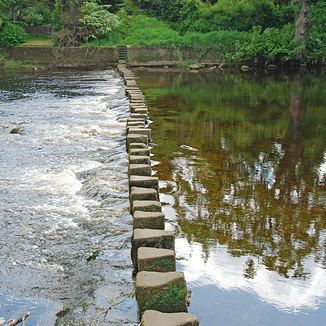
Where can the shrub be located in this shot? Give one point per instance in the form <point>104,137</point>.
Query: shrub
<point>272,45</point>
<point>98,20</point>
<point>315,46</point>
<point>33,19</point>
<point>57,16</point>
<point>131,8</point>
<point>39,15</point>
<point>114,4</point>
<point>318,16</point>
<point>12,35</point>
<point>169,10</point>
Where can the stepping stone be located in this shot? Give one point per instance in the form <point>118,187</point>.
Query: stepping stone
<point>150,238</point>
<point>156,260</point>
<point>143,182</point>
<point>140,169</point>
<point>138,193</point>
<point>138,145</point>
<point>164,292</point>
<point>148,220</point>
<point>136,138</point>
<point>136,150</point>
<point>141,111</point>
<point>156,318</point>
<point>146,206</point>
<point>140,131</point>
<point>139,116</point>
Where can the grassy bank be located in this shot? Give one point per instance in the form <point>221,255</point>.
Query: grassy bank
<point>256,46</point>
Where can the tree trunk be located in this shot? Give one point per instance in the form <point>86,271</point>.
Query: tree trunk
<point>302,23</point>
<point>14,14</point>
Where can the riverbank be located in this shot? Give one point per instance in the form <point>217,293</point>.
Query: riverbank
<point>56,57</point>
<point>34,57</point>
<point>102,57</point>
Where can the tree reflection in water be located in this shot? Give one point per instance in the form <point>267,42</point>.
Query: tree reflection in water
<point>245,154</point>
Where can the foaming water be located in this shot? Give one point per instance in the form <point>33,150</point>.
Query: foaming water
<point>64,221</point>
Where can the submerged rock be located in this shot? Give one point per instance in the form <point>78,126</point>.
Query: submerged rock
<point>245,68</point>
<point>196,66</point>
<point>16,131</point>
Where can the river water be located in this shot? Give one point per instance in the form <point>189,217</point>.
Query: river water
<point>241,159</point>
<point>64,222</point>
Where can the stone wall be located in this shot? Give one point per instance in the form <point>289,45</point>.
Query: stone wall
<point>74,57</point>
<point>55,57</point>
<point>154,56</point>
<point>38,30</point>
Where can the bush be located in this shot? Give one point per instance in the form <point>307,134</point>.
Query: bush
<point>97,20</point>
<point>12,35</point>
<point>318,16</point>
<point>169,10</point>
<point>272,45</point>
<point>57,16</point>
<point>33,19</point>
<point>114,4</point>
<point>39,15</point>
<point>131,8</point>
<point>204,17</point>
<point>315,46</point>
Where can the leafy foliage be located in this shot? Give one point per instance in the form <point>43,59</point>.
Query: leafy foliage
<point>114,5</point>
<point>12,35</point>
<point>38,15</point>
<point>97,20</point>
<point>273,44</point>
<point>57,16</point>
<point>9,8</point>
<point>167,9</point>
<point>233,29</point>
<point>195,15</point>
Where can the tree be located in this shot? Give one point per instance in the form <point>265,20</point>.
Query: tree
<point>302,23</point>
<point>97,20</point>
<point>57,16</point>
<point>11,7</point>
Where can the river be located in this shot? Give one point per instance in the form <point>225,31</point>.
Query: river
<point>65,227</point>
<point>241,159</point>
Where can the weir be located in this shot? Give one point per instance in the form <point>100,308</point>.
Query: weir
<point>161,291</point>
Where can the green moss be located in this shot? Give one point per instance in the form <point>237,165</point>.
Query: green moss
<point>163,264</point>
<point>13,64</point>
<point>173,299</point>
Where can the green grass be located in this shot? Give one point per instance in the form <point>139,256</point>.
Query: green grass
<point>14,64</point>
<point>38,40</point>
<point>145,31</point>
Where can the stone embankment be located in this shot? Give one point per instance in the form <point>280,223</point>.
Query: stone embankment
<point>161,291</point>
<point>103,57</point>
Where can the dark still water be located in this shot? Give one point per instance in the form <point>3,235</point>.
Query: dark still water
<point>242,162</point>
<point>64,222</point>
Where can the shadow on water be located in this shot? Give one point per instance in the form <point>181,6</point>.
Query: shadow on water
<point>242,163</point>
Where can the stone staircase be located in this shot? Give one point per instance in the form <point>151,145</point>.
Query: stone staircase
<point>121,54</point>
